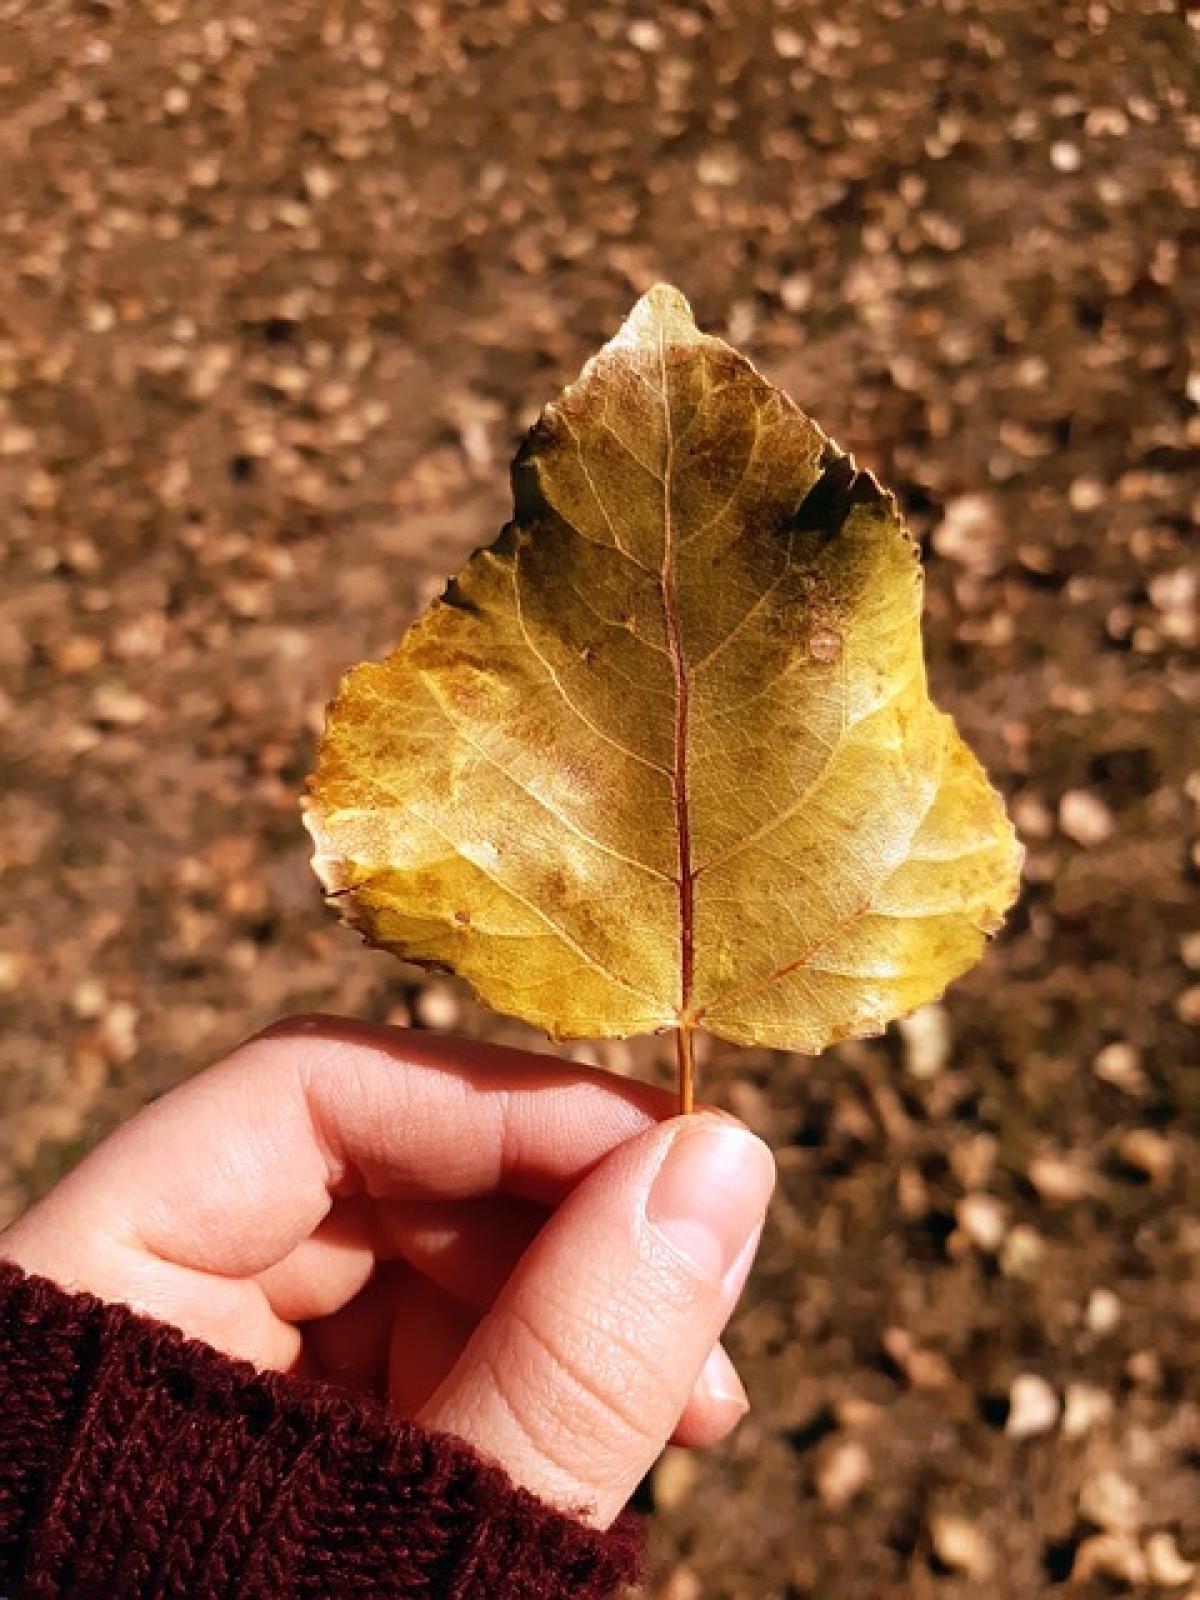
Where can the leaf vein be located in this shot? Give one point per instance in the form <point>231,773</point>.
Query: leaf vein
<point>617,627</point>
<point>539,800</point>
<point>805,960</point>
<point>530,905</point>
<point>650,471</point>
<point>566,698</point>
<point>738,846</point>
<point>710,522</point>
<point>596,496</point>
<point>748,614</point>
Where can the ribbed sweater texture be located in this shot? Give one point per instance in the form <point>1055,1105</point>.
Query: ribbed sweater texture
<point>135,1462</point>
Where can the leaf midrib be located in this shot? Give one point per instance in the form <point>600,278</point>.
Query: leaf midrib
<point>679,788</point>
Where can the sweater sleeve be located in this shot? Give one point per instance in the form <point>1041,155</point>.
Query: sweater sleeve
<point>136,1462</point>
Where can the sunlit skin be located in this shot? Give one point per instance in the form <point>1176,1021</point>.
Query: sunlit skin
<point>475,1235</point>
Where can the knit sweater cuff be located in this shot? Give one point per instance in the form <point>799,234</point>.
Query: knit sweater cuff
<point>134,1461</point>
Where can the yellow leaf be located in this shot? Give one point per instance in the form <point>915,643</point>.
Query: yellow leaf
<point>663,755</point>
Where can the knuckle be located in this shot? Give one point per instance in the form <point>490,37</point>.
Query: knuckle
<point>586,1381</point>
<point>300,1025</point>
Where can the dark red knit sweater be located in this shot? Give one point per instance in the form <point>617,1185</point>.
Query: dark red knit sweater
<point>135,1462</point>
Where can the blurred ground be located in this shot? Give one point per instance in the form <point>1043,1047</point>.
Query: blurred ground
<point>282,286</point>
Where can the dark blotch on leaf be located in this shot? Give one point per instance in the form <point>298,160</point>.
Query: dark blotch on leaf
<point>452,595</point>
<point>828,503</point>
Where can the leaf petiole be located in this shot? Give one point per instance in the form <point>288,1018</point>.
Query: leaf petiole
<point>686,1064</point>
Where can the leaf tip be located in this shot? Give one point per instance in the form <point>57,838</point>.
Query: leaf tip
<point>662,312</point>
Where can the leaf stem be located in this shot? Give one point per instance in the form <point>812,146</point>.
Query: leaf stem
<point>686,1064</point>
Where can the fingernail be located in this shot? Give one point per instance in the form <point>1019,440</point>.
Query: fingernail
<point>734,1280</point>
<point>709,1195</point>
<point>721,1389</point>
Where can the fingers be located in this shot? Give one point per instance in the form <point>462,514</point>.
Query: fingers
<point>716,1405</point>
<point>328,1269</point>
<point>231,1171</point>
<point>216,1205</point>
<point>579,1374</point>
<point>430,1331</point>
<point>468,1247</point>
<point>350,1348</point>
<point>459,1253</point>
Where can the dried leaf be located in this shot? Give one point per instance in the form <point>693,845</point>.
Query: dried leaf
<point>663,755</point>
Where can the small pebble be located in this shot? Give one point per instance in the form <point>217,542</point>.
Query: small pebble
<point>843,1473</point>
<point>854,1411</point>
<point>1032,1407</point>
<point>1022,1252</point>
<point>790,44</point>
<point>1086,1407</point>
<point>1109,1555</point>
<point>1144,1369</point>
<point>646,35</point>
<point>319,182</point>
<point>1084,817</point>
<point>1102,1313</point>
<point>437,1006</point>
<point>959,1545</point>
<point>1033,817</point>
<point>1120,1065</point>
<point>924,1369</point>
<point>1109,1500</point>
<point>681,1584</point>
<point>89,998</point>
<point>718,167</point>
<point>118,1031</point>
<point>926,1036</point>
<point>1166,1566</point>
<point>1058,1181</point>
<point>674,1477</point>
<point>1147,1152</point>
<point>983,1220</point>
<point>1176,591</point>
<point>973,1160</point>
<point>118,707</point>
<point>1065,156</point>
<point>912,1194</point>
<point>796,292</point>
<point>971,534</point>
<point>1086,494</point>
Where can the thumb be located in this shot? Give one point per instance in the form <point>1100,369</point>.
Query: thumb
<point>576,1378</point>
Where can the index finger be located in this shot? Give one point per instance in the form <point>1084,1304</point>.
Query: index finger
<point>233,1169</point>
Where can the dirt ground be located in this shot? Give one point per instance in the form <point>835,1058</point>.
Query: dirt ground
<point>283,284</point>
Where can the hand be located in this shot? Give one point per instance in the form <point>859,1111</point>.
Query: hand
<point>502,1246</point>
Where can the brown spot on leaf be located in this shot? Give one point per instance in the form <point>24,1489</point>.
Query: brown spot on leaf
<point>824,645</point>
